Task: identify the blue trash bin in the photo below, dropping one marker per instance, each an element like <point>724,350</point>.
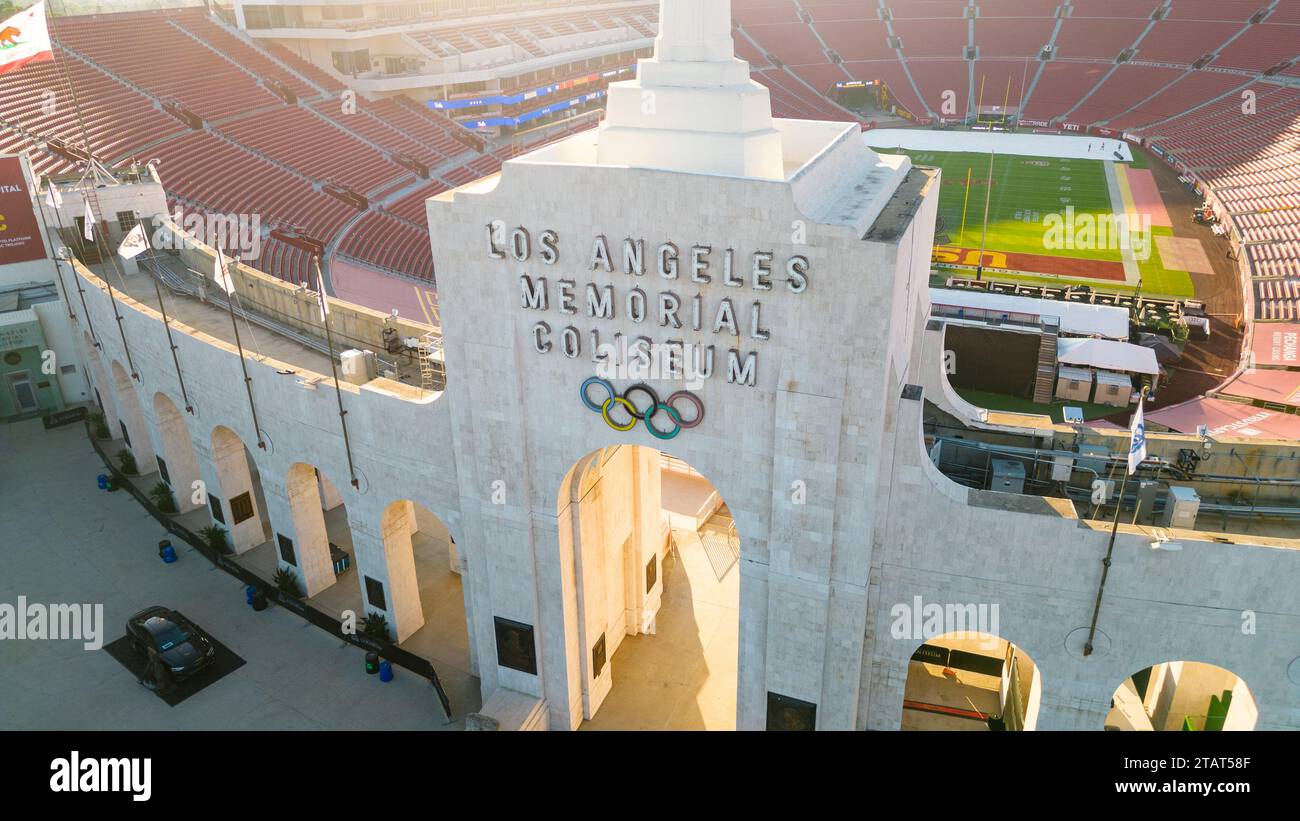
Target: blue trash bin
<point>385,671</point>
<point>166,552</point>
<point>249,592</point>
<point>102,481</point>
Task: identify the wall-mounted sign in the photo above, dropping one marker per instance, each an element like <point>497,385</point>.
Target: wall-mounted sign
<point>620,288</point>
<point>20,239</point>
<point>621,412</point>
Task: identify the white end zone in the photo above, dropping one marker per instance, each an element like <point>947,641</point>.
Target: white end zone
<point>1028,145</point>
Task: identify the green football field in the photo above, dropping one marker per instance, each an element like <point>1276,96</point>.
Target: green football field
<point>1024,192</point>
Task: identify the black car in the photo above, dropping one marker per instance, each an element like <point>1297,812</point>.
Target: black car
<point>183,647</point>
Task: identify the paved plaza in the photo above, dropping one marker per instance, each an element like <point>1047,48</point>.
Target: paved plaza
<point>62,540</point>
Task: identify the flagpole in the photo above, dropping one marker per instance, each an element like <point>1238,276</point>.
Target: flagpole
<point>243,363</point>
<point>101,246</point>
<point>171,343</point>
<point>58,272</point>
<point>1110,549</point>
<point>338,393</point>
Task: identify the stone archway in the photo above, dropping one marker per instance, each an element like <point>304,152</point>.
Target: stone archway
<point>237,508</point>
<point>1182,695</point>
<point>655,558</point>
<point>179,459</point>
<point>132,425</point>
<point>967,680</point>
<point>102,388</point>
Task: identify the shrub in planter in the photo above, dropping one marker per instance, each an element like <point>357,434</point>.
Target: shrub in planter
<point>162,497</point>
<point>98,425</point>
<point>216,538</point>
<point>375,624</point>
<point>287,582</point>
<point>126,461</point>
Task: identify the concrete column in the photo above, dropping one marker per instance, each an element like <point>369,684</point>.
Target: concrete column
<point>234,478</point>
<point>329,495</point>
<point>128,403</point>
<point>178,450</point>
<point>385,555</point>
<point>304,522</point>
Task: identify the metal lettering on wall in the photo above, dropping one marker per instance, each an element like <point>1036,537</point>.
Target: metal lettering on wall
<point>618,272</point>
<point>616,402</point>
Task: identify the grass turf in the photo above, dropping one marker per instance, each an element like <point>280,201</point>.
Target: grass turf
<point>1013,404</point>
<point>1026,190</point>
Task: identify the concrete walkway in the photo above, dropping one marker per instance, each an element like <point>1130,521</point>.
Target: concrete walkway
<point>65,541</point>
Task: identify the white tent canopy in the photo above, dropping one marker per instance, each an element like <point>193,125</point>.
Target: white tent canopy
<point>1078,318</point>
<point>1104,353</point>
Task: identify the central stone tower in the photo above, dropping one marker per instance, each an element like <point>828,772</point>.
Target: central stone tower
<point>692,106</point>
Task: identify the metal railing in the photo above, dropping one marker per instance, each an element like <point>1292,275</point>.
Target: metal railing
<point>194,284</point>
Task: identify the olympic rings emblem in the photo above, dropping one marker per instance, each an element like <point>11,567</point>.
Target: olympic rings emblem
<point>614,402</point>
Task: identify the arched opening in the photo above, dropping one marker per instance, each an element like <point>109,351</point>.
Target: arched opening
<point>132,425</point>
<point>100,386</point>
<point>424,594</point>
<point>1182,695</point>
<point>179,465</point>
<point>239,508</point>
<point>317,546</point>
<point>967,680</point>
<point>657,582</point>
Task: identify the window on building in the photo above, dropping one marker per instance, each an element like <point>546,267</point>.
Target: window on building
<point>375,593</point>
<point>126,437</point>
<point>214,504</point>
<point>126,220</point>
<point>241,507</point>
<point>162,469</point>
<point>286,549</point>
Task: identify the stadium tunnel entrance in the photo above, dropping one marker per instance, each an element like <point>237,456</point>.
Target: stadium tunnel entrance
<point>971,681</point>
<point>1182,695</point>
<point>656,572</point>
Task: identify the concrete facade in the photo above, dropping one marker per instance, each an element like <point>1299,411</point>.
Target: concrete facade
<point>812,435</point>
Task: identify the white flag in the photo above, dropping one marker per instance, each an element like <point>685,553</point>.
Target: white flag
<point>222,274</point>
<point>134,244</point>
<point>24,38</point>
<point>1137,446</point>
<point>320,295</point>
<point>52,196</point>
<point>88,222</point>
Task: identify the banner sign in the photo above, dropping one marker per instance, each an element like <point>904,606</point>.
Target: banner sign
<point>20,238</point>
<point>509,122</point>
<point>524,96</point>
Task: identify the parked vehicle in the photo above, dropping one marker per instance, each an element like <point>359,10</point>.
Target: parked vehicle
<point>183,647</point>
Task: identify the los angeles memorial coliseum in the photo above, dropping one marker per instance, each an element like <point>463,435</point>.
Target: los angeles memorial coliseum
<point>695,364</point>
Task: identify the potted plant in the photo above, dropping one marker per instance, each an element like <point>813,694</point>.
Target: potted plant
<point>376,625</point>
<point>287,582</point>
<point>162,497</point>
<point>126,461</point>
<point>98,425</point>
<point>215,538</point>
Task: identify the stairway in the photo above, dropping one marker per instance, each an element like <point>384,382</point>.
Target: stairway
<point>1045,378</point>
<point>721,543</point>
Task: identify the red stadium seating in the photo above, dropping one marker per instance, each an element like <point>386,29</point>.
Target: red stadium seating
<point>1100,39</point>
